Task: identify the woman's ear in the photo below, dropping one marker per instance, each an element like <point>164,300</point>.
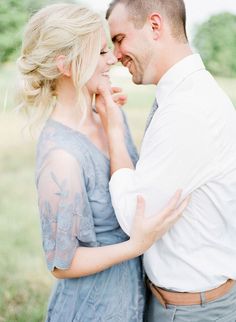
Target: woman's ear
<point>60,62</point>
<point>155,21</point>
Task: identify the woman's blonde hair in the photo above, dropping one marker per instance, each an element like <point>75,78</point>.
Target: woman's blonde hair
<point>59,29</point>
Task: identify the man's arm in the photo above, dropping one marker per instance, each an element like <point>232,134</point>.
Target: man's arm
<point>175,154</point>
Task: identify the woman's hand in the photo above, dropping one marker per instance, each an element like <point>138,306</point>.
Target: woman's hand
<point>108,103</point>
<point>146,230</point>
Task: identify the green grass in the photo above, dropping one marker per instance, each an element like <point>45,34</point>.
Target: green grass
<point>25,282</point>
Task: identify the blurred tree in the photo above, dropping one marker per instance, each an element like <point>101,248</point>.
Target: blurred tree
<point>216,42</point>
<point>13,15</point>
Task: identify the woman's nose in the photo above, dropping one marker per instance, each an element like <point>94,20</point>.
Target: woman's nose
<point>112,59</point>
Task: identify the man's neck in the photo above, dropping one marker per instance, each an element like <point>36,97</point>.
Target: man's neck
<point>171,56</point>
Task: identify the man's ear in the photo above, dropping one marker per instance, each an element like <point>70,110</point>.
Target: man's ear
<point>155,21</point>
<point>60,62</point>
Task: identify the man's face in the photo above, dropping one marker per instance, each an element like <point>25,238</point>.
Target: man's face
<point>131,45</point>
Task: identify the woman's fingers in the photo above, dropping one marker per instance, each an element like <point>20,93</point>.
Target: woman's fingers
<point>119,96</point>
<point>170,218</point>
<point>104,91</point>
<point>99,102</point>
<point>183,204</point>
<point>171,206</point>
<point>140,206</point>
<point>178,212</point>
<point>112,95</point>
<point>116,89</point>
<point>120,101</point>
<point>171,213</point>
<point>107,96</point>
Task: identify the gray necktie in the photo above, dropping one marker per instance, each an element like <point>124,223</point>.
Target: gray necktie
<point>152,112</point>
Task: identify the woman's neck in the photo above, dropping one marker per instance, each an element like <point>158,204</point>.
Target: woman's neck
<point>67,112</point>
<point>66,109</point>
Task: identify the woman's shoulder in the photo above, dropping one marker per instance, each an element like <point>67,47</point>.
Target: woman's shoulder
<point>58,142</point>
<point>57,136</point>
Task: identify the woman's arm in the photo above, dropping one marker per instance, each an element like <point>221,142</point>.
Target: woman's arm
<point>91,260</point>
<point>145,231</point>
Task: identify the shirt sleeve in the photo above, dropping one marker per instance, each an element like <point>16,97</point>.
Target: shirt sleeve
<point>176,153</point>
<point>62,208</point>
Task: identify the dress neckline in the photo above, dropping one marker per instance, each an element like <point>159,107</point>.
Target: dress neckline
<point>85,137</point>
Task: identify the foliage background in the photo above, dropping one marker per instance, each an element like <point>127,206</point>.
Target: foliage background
<point>25,282</point>
<point>13,15</point>
<point>215,39</point>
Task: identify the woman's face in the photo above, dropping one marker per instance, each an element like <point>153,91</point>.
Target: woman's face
<point>101,74</point>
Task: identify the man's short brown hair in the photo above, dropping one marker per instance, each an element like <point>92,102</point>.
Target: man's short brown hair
<point>139,10</point>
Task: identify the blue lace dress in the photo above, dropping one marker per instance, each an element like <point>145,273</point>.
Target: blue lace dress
<point>72,177</point>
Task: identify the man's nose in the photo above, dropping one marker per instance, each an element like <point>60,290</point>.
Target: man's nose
<point>117,53</point>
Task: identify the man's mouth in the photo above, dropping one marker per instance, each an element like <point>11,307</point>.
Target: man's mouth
<point>127,62</point>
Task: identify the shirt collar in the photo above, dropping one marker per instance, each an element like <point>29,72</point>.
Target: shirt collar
<point>176,74</point>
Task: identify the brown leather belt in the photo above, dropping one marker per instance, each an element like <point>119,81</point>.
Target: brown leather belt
<point>184,298</point>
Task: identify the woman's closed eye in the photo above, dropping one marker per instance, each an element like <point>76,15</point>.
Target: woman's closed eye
<point>104,52</point>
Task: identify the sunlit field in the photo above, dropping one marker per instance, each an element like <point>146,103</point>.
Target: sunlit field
<point>24,280</point>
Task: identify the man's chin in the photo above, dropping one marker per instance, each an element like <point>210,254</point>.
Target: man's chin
<point>136,80</point>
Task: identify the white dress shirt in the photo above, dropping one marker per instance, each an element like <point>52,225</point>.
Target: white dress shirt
<point>190,144</point>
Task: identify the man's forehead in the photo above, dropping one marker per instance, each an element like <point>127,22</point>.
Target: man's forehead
<point>119,13</point>
<point>115,27</point>
<point>118,20</point>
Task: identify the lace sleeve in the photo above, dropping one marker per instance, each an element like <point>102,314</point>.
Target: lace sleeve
<point>61,204</point>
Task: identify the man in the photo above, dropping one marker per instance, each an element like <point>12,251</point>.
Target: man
<point>189,143</point>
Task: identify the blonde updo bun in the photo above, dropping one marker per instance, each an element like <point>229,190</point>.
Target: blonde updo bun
<point>60,29</point>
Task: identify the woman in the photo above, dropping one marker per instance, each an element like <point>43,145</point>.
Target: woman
<point>65,59</point>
